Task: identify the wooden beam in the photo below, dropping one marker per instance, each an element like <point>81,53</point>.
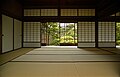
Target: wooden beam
<point>56,6</point>
<point>0,31</point>
<point>110,19</point>
<point>58,18</point>
<point>107,9</point>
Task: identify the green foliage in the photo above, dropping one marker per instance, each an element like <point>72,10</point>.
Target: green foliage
<point>118,42</point>
<point>118,33</point>
<point>67,39</point>
<point>55,42</point>
<point>53,28</point>
<point>67,33</point>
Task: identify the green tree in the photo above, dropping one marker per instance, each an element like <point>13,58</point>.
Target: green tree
<point>66,33</point>
<point>118,33</point>
<point>53,31</point>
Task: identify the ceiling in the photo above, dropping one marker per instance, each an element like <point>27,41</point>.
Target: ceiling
<point>103,7</point>
<point>60,3</point>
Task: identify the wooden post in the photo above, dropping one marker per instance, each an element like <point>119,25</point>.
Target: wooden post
<point>0,31</point>
<point>96,28</point>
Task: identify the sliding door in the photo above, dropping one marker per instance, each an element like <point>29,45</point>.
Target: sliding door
<point>86,34</point>
<point>17,34</point>
<point>7,32</point>
<point>106,34</point>
<point>32,36</point>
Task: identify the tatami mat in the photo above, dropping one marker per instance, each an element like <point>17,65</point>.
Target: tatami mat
<point>98,69</point>
<point>68,58</point>
<point>68,52</point>
<point>96,57</point>
<point>82,69</point>
<point>13,54</point>
<point>64,54</point>
<point>114,50</point>
<point>63,62</point>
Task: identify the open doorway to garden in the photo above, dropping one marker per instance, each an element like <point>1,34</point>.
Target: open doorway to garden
<point>68,34</point>
<point>58,34</point>
<point>118,34</point>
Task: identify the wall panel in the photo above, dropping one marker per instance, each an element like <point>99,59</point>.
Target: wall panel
<point>86,12</point>
<point>32,36</point>
<point>49,12</point>
<point>86,34</point>
<point>31,12</point>
<point>7,31</point>
<point>68,12</point>
<point>17,34</point>
<point>106,34</point>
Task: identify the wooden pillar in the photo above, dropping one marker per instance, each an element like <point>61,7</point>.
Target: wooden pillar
<point>96,28</point>
<point>0,31</point>
<point>96,34</point>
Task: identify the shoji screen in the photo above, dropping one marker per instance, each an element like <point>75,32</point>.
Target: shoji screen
<point>118,14</point>
<point>17,34</point>
<point>49,12</point>
<point>86,12</point>
<point>68,12</point>
<point>31,12</point>
<point>31,34</point>
<point>7,31</point>
<point>86,34</point>
<point>106,34</point>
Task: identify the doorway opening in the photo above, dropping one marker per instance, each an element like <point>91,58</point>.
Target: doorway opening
<point>68,34</point>
<point>58,34</point>
<point>118,34</point>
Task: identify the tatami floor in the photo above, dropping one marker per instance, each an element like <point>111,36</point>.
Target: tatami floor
<point>63,62</point>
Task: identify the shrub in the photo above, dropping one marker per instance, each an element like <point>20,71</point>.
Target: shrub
<point>118,42</point>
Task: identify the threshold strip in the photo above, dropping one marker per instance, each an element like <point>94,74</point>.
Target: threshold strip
<point>62,61</point>
<point>69,54</point>
<point>109,51</point>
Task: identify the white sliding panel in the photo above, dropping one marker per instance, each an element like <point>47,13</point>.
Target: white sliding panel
<point>31,12</point>
<point>7,31</point>
<point>118,14</point>
<point>49,12</point>
<point>68,12</point>
<point>17,34</point>
<point>86,12</point>
<point>86,34</point>
<point>106,34</point>
<point>31,34</point>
